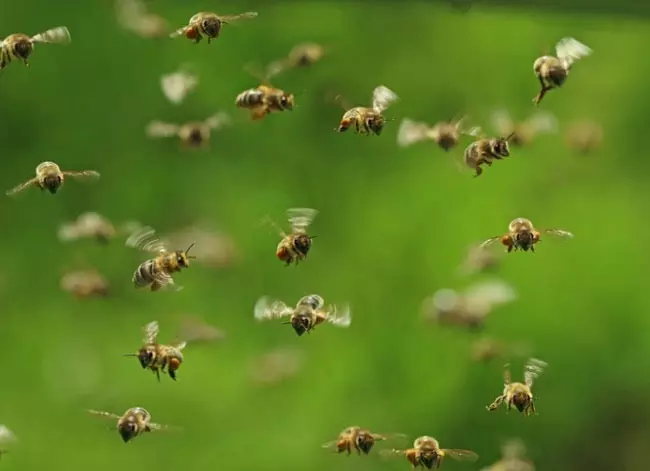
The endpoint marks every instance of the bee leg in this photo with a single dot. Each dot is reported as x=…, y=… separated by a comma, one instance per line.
x=540, y=95
x=155, y=370
x=479, y=171
x=26, y=63
x=172, y=374
x=495, y=405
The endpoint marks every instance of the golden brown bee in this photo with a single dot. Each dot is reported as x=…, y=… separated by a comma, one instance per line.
x=523, y=236
x=208, y=25
x=85, y=284
x=356, y=438
x=513, y=458
x=584, y=136
x=426, y=452
x=157, y=357
x=276, y=366
x=135, y=421
x=295, y=246
x=523, y=132
x=301, y=55
x=134, y=16
x=309, y=312
x=19, y=46
x=485, y=150
x=444, y=133
x=369, y=120
x=192, y=135
x=7, y=438
x=551, y=71
x=50, y=177
x=214, y=248
x=177, y=85
x=157, y=272
x=93, y=225
x=478, y=260
x=265, y=98
x=520, y=394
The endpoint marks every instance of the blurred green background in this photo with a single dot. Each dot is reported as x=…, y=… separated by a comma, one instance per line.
x=394, y=225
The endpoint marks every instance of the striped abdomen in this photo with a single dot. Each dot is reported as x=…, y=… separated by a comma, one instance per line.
x=471, y=155
x=250, y=99
x=145, y=274
x=353, y=116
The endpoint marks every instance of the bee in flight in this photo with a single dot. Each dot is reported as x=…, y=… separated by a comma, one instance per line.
x=308, y=313
x=301, y=55
x=208, y=25
x=478, y=260
x=520, y=394
x=523, y=236
x=135, y=421
x=551, y=71
x=19, y=46
x=487, y=349
x=265, y=98
x=358, y=439
x=7, y=437
x=513, y=458
x=85, y=284
x=133, y=15
x=157, y=272
x=276, y=366
x=295, y=246
x=156, y=356
x=485, y=150
x=584, y=136
x=176, y=85
x=444, y=133
x=195, y=134
x=95, y=226
x=50, y=177
x=523, y=132
x=368, y=120
x=426, y=452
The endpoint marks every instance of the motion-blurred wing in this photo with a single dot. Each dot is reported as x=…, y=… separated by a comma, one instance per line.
x=21, y=187
x=542, y=122
x=489, y=242
x=267, y=309
x=392, y=453
x=502, y=121
x=461, y=455
x=58, y=35
x=218, y=120
x=445, y=300
x=163, y=427
x=410, y=132
x=83, y=174
x=493, y=292
x=570, y=50
x=161, y=129
x=533, y=369
x=106, y=415
x=228, y=19
x=150, y=332
x=68, y=232
x=382, y=98
x=340, y=318
x=558, y=233
x=145, y=239
x=301, y=218
x=177, y=85
x=195, y=330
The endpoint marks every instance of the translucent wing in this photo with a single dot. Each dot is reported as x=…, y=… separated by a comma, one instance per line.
x=502, y=121
x=165, y=282
x=180, y=346
x=560, y=233
x=22, y=186
x=83, y=174
x=145, y=239
x=392, y=453
x=301, y=218
x=177, y=85
x=218, y=120
x=195, y=330
x=382, y=98
x=150, y=333
x=227, y=19
x=161, y=427
x=6, y=435
x=461, y=455
x=313, y=300
x=58, y=35
x=533, y=369
x=490, y=293
x=106, y=415
x=267, y=309
x=340, y=318
x=410, y=132
x=542, y=122
x=330, y=445
x=68, y=232
x=162, y=129
x=488, y=242
x=445, y=300
x=570, y=50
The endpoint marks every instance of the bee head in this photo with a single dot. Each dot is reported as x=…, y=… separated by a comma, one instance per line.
x=195, y=137
x=52, y=183
x=365, y=442
x=501, y=146
x=182, y=258
x=23, y=48
x=521, y=400
x=302, y=243
x=525, y=240
x=145, y=357
x=428, y=458
x=211, y=26
x=301, y=323
x=447, y=140
x=127, y=430
x=375, y=123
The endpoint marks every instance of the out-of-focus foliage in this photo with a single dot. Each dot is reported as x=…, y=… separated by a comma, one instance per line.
x=393, y=227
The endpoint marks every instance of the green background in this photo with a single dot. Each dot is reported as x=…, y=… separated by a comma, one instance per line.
x=394, y=225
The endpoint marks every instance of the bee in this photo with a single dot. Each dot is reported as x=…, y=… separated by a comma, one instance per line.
x=195, y=134
x=485, y=150
x=208, y=25
x=426, y=452
x=523, y=236
x=444, y=133
x=265, y=98
x=157, y=272
x=523, y=132
x=135, y=421
x=584, y=136
x=552, y=71
x=7, y=437
x=478, y=260
x=19, y=46
x=276, y=366
x=85, y=284
x=356, y=438
x=369, y=120
x=50, y=177
x=157, y=357
x=133, y=16
x=486, y=349
x=295, y=246
x=520, y=394
x=93, y=225
x=309, y=312
x=177, y=85
x=513, y=458
x=301, y=55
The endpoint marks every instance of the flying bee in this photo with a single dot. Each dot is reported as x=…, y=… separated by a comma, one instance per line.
x=276, y=366
x=156, y=356
x=50, y=177
x=369, y=120
x=523, y=236
x=265, y=98
x=135, y=421
x=133, y=16
x=485, y=150
x=85, y=284
x=513, y=458
x=551, y=71
x=195, y=134
x=301, y=55
x=177, y=85
x=523, y=132
x=520, y=394
x=7, y=438
x=478, y=260
x=444, y=133
x=426, y=452
x=295, y=246
x=358, y=439
x=584, y=136
x=93, y=225
x=208, y=25
x=309, y=312
x=19, y=46
x=157, y=272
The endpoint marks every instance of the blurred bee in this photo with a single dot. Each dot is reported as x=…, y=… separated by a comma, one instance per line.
x=513, y=458
x=19, y=46
x=486, y=349
x=520, y=394
x=265, y=98
x=177, y=85
x=295, y=246
x=478, y=260
x=301, y=55
x=426, y=452
x=208, y=25
x=369, y=120
x=444, y=133
x=584, y=136
x=276, y=366
x=553, y=71
x=215, y=249
x=157, y=357
x=356, y=438
x=469, y=308
x=195, y=134
x=133, y=16
x=485, y=150
x=85, y=284
x=93, y=225
x=523, y=236
x=308, y=313
x=134, y=422
x=7, y=437
x=524, y=132
x=157, y=272
x=50, y=177
x=193, y=330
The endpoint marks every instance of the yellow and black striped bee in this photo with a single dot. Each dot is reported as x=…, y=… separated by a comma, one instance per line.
x=135, y=421
x=194, y=135
x=368, y=120
x=265, y=98
x=208, y=25
x=444, y=133
x=309, y=312
x=19, y=46
x=513, y=458
x=356, y=438
x=157, y=272
x=7, y=437
x=584, y=137
x=522, y=235
x=520, y=394
x=485, y=150
x=426, y=452
x=50, y=177
x=156, y=356
x=301, y=55
x=295, y=246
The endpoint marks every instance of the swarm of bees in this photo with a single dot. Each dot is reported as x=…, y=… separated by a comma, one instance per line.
x=135, y=421
x=520, y=395
x=365, y=120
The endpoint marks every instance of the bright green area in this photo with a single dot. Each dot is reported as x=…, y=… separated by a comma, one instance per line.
x=394, y=224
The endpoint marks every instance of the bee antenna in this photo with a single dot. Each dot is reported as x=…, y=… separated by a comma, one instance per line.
x=188, y=249
x=512, y=134
x=313, y=237
x=130, y=355
x=287, y=322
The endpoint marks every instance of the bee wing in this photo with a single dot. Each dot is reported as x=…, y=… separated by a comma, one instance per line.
x=195, y=330
x=489, y=242
x=68, y=231
x=106, y=415
x=393, y=453
x=83, y=174
x=145, y=239
x=474, y=131
x=570, y=50
x=58, y=35
x=542, y=122
x=162, y=129
x=178, y=32
x=22, y=186
x=559, y=233
x=267, y=309
x=533, y=369
x=492, y=292
x=166, y=282
x=342, y=318
x=460, y=455
x=410, y=132
x=218, y=120
x=382, y=98
x=162, y=427
x=330, y=445
x=502, y=122
x=276, y=67
x=301, y=218
x=150, y=332
x=443, y=300
x=6, y=435
x=177, y=85
x=228, y=19
x=180, y=346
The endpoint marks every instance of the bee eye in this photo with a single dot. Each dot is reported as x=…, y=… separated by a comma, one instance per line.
x=205, y=24
x=179, y=259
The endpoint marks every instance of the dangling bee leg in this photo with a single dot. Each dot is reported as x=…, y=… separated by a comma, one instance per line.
x=172, y=374
x=540, y=95
x=26, y=63
x=155, y=370
x=479, y=171
x=531, y=408
x=495, y=405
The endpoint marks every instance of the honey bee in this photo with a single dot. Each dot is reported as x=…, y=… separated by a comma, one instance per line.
x=208, y=25
x=584, y=136
x=265, y=98
x=19, y=46
x=356, y=438
x=478, y=260
x=513, y=458
x=135, y=421
x=177, y=85
x=551, y=71
x=485, y=150
x=157, y=272
x=309, y=312
x=93, y=225
x=7, y=437
x=50, y=177
x=426, y=452
x=520, y=394
x=195, y=134
x=301, y=55
x=157, y=357
x=444, y=133
x=85, y=284
x=524, y=132
x=133, y=16
x=369, y=120
x=276, y=366
x=295, y=246
x=523, y=236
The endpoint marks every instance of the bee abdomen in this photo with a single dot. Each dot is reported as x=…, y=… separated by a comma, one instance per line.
x=144, y=275
x=251, y=98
